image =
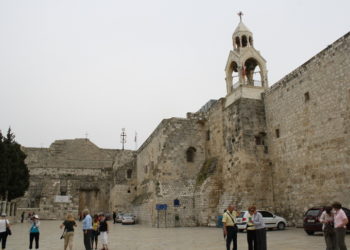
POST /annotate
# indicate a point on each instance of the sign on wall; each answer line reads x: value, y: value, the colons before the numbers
x: 161, y: 206
x: 62, y: 198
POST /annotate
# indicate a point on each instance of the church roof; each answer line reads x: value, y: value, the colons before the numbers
x: 242, y: 28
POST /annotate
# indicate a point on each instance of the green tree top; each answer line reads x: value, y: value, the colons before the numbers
x: 14, y: 174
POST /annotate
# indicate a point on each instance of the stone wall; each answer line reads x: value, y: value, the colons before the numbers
x: 237, y: 140
x: 165, y: 173
x: 124, y: 185
x: 308, y: 123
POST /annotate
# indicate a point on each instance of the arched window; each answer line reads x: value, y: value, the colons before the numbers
x: 146, y: 169
x: 252, y: 73
x: 244, y: 41
x: 129, y: 173
x: 190, y: 152
x: 237, y: 42
x: 251, y: 41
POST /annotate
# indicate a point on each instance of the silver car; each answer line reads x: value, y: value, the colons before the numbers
x: 128, y: 219
x: 271, y: 221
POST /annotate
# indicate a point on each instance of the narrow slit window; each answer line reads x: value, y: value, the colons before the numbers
x: 277, y: 133
x: 306, y: 96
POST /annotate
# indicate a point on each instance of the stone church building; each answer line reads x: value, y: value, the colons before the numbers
x: 283, y: 148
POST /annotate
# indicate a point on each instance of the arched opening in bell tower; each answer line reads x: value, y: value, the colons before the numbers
x: 234, y: 74
x: 237, y: 42
x: 251, y: 41
x: 244, y: 41
x: 252, y: 73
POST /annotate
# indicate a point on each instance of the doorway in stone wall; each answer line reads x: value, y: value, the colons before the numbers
x: 89, y: 199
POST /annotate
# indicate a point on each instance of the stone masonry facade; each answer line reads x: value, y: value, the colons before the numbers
x: 283, y: 148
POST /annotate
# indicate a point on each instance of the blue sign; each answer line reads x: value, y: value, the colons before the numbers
x: 161, y: 206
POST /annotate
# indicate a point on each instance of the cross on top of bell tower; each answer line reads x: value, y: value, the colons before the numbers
x: 240, y: 14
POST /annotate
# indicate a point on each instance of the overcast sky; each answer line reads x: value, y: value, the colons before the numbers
x: 70, y: 67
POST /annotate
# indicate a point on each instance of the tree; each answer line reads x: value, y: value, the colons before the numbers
x: 14, y: 174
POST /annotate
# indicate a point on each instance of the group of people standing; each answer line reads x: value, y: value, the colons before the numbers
x: 95, y: 229
x: 256, y: 231
x: 334, y: 222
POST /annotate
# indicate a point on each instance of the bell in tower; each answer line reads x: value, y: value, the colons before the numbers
x: 246, y: 74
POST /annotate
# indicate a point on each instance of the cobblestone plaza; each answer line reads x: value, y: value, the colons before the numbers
x: 137, y: 237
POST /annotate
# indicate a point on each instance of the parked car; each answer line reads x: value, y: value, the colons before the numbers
x: 108, y: 216
x: 312, y: 222
x: 119, y: 217
x: 128, y: 219
x: 271, y: 221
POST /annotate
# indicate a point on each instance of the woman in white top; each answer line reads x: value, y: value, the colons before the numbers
x: 327, y: 219
x: 4, y: 223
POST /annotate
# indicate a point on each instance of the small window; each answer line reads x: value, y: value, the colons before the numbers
x: 190, y: 154
x: 306, y: 96
x: 176, y: 203
x: 208, y: 135
x: 146, y: 169
x: 129, y: 191
x: 129, y: 173
x: 63, y: 188
x: 277, y: 133
x: 258, y: 140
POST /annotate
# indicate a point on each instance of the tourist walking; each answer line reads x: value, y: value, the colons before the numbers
x: 22, y: 216
x: 87, y: 229
x: 340, y: 221
x: 34, y: 232
x: 103, y: 232
x: 260, y: 230
x: 230, y: 227
x: 4, y: 230
x: 251, y: 232
x: 114, y: 217
x: 327, y: 219
x: 68, y: 234
x: 95, y: 231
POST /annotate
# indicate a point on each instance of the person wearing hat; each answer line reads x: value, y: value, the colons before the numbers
x: 34, y: 232
x: 4, y: 224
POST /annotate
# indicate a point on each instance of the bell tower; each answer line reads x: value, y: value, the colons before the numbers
x: 246, y: 74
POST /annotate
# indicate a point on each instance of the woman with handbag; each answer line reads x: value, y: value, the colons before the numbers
x: 4, y: 230
x: 68, y: 232
x: 327, y: 219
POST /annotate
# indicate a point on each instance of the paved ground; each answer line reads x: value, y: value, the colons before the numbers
x: 137, y: 237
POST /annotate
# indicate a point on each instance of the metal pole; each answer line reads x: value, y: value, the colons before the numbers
x: 157, y: 218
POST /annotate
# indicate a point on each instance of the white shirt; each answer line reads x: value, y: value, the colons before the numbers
x: 3, y: 223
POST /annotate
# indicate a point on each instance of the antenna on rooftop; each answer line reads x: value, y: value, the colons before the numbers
x: 135, y: 140
x: 123, y: 138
